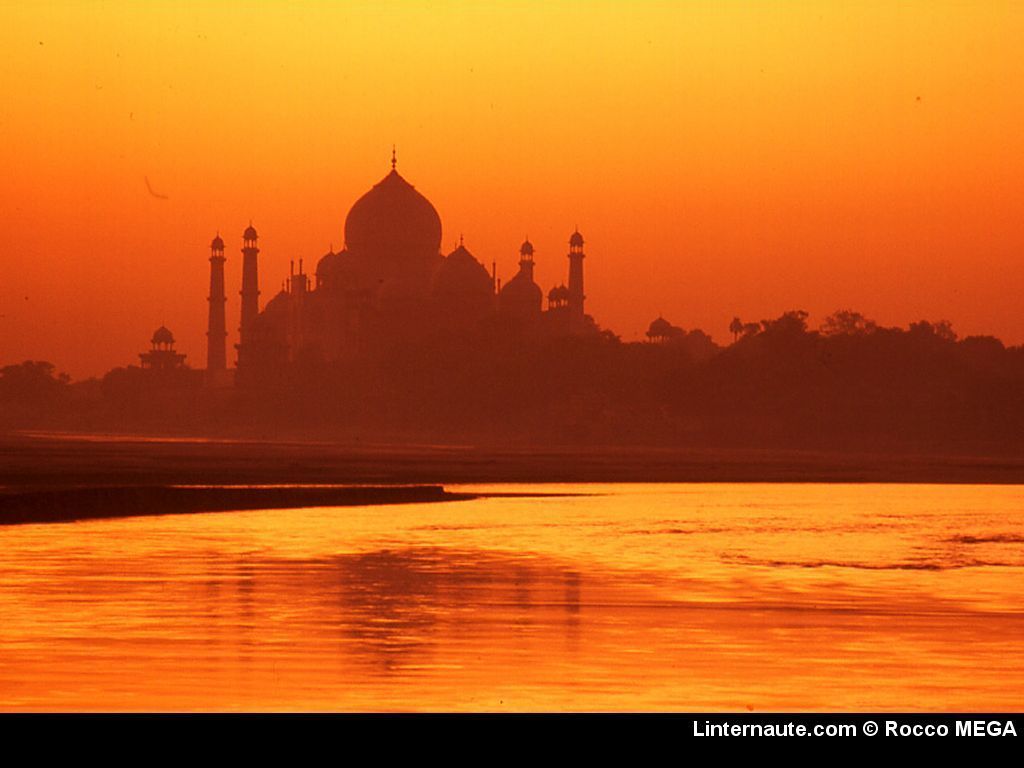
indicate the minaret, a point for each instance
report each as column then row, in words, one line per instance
column 216, row 333
column 576, row 295
column 526, row 259
column 250, row 292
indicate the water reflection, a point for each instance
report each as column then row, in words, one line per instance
column 393, row 608
column 775, row 597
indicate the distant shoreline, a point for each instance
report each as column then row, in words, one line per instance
column 96, row 503
column 49, row 462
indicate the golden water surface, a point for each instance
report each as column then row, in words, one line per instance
column 606, row 597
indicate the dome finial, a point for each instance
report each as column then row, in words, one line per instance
column 394, row 157
column 460, row 239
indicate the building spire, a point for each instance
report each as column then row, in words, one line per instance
column 216, row 329
column 250, row 294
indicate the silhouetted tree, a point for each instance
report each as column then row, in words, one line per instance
column 736, row 328
column 741, row 330
column 847, row 385
column 790, row 323
column 941, row 329
column 846, row 322
column 31, row 381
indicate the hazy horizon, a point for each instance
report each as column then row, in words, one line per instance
column 726, row 160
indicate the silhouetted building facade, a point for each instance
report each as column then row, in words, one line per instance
column 389, row 285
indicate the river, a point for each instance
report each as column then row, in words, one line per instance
column 532, row 597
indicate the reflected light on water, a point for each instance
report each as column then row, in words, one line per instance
column 648, row 597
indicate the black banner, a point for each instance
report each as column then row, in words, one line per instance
column 699, row 726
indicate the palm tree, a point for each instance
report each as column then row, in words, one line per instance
column 736, row 328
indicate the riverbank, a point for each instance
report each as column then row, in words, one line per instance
column 73, row 504
column 45, row 462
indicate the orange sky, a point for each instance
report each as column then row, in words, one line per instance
column 721, row 158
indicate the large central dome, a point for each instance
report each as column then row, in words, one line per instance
column 393, row 221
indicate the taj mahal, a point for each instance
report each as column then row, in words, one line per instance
column 389, row 284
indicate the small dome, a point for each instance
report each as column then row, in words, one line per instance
column 275, row 307
column 526, row 249
column 162, row 336
column 217, row 244
column 576, row 239
column 327, row 263
column 660, row 327
column 250, row 233
column 461, row 274
column 521, row 296
column 558, row 293
column 340, row 269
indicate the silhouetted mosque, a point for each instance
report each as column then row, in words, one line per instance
column 390, row 284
